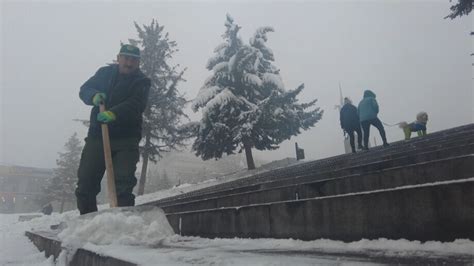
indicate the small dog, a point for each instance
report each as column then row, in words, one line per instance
column 418, row 126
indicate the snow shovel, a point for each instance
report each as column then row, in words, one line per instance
column 108, row 163
column 111, row 191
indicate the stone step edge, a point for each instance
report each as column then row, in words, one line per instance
column 438, row 183
column 171, row 198
column 94, row 259
column 191, row 194
column 83, row 257
column 309, row 182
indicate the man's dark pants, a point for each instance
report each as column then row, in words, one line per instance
column 125, row 156
column 350, row 132
column 366, row 128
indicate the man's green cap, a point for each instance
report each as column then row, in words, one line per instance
column 130, row 50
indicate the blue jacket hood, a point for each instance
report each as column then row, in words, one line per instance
column 369, row 93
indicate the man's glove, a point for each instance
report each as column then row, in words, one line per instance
column 98, row 98
column 106, row 117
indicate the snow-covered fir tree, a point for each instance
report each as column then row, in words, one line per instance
column 463, row 7
column 244, row 103
column 61, row 186
column 162, row 125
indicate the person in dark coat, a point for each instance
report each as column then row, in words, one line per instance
column 368, row 110
column 350, row 123
column 124, row 90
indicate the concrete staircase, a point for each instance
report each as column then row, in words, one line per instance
column 420, row 189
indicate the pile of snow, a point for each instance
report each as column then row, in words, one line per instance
column 125, row 226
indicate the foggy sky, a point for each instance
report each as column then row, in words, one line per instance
column 412, row 58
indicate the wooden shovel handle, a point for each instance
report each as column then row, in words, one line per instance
column 112, row 193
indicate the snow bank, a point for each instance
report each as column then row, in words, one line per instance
column 124, row 226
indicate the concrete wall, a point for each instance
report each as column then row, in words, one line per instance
column 442, row 212
column 315, row 185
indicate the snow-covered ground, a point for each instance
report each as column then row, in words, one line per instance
column 15, row 248
column 147, row 239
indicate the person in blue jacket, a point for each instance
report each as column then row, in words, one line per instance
column 368, row 110
column 124, row 90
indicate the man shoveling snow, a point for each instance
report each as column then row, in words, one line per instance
column 123, row 89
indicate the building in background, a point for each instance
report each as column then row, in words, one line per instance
column 20, row 187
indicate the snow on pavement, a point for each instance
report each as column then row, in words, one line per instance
column 146, row 239
column 15, row 247
column 195, row 250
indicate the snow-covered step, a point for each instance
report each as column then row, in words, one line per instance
column 51, row 245
column 454, row 140
column 250, row 184
column 427, row 147
column 81, row 240
column 186, row 250
column 452, row 164
column 442, row 211
column 306, row 187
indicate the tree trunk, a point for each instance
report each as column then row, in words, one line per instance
column 61, row 209
column 248, row 155
column 141, row 185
